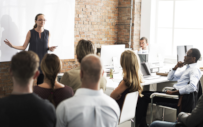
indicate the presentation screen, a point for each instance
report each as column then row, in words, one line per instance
column 17, row 17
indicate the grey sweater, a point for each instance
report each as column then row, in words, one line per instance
column 194, row 119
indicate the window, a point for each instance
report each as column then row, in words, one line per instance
column 173, row 23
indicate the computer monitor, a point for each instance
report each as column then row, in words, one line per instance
column 108, row 52
column 181, row 51
column 145, row 69
column 143, row 58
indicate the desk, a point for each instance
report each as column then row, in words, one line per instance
column 113, row 83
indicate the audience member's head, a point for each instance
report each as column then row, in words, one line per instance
column 132, row 75
column 91, row 71
column 24, row 67
column 51, row 66
column 84, row 48
column 143, row 43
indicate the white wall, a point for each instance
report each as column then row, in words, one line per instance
column 17, row 18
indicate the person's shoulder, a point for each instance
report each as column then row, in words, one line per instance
column 42, row 103
column 67, row 103
column 4, row 100
column 31, row 31
column 46, row 31
column 68, row 88
column 111, row 103
column 36, row 87
column 195, row 70
column 77, row 69
column 108, row 100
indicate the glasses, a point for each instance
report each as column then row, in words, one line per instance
column 44, row 20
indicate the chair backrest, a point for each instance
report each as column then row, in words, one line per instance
column 129, row 106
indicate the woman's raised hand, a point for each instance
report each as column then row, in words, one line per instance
column 8, row 43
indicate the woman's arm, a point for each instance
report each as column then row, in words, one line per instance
column 20, row 47
column 116, row 94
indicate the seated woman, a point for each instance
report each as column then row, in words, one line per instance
column 51, row 89
column 72, row 77
column 132, row 77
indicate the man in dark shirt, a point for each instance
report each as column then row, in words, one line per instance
column 23, row 108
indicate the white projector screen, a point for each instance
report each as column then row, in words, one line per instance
column 17, row 18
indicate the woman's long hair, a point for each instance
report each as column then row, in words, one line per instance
column 50, row 67
column 132, row 74
column 36, row 17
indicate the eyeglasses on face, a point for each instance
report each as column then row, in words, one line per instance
column 44, row 20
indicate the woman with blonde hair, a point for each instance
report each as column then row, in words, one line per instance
column 51, row 89
column 132, row 77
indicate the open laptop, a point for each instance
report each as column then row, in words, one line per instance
column 146, row 72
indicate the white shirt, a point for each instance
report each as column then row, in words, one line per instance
column 186, row 79
column 88, row 108
column 143, row 52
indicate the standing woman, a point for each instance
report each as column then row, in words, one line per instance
column 38, row 37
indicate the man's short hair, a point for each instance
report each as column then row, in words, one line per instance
column 83, row 48
column 144, row 38
column 23, row 66
column 196, row 53
column 91, row 66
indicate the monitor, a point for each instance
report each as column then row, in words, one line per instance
column 145, row 69
column 143, row 58
column 108, row 52
column 181, row 51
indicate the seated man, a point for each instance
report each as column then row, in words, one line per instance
column 193, row 119
column 72, row 77
column 143, row 46
column 186, row 83
column 23, row 108
column 89, row 107
column 186, row 79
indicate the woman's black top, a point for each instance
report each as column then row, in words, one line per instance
column 39, row 45
column 121, row 100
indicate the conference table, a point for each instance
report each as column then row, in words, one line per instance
column 113, row 83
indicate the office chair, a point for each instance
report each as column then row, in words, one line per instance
column 129, row 108
column 184, row 104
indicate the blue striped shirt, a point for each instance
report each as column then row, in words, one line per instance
column 186, row 79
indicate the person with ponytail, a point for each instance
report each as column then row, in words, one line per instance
column 51, row 89
column 38, row 37
column 132, row 77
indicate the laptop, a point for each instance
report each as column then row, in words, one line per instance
column 146, row 71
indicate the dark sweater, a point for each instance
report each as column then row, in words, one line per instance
column 26, row 110
column 58, row 94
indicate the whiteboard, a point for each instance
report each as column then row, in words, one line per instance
column 17, row 17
